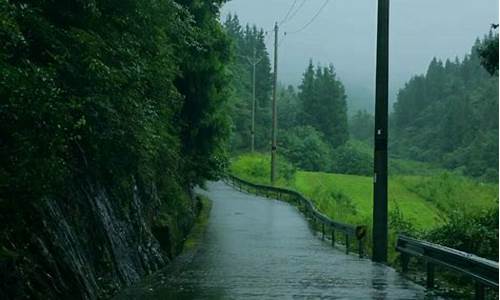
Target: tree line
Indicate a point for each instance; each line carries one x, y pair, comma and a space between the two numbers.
449, 116
312, 120
248, 47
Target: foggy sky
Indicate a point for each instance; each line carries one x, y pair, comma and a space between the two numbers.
345, 34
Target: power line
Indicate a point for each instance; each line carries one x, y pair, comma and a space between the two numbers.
288, 13
312, 20
297, 10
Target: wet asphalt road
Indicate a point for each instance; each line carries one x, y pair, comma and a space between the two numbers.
256, 248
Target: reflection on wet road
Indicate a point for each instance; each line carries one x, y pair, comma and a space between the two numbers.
256, 248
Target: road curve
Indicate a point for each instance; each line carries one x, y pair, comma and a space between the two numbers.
256, 248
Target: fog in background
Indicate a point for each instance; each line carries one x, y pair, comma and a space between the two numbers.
344, 34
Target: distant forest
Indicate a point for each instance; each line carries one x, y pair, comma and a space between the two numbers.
447, 117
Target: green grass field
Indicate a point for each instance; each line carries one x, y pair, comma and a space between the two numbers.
349, 198
416, 202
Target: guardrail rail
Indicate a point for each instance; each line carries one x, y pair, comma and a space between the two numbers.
350, 232
483, 271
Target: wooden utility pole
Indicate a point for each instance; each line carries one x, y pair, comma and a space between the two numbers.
273, 147
254, 63
381, 135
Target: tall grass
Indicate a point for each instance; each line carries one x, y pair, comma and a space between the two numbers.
417, 203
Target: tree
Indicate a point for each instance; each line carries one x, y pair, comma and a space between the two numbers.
244, 42
305, 148
287, 107
323, 102
306, 96
361, 126
489, 54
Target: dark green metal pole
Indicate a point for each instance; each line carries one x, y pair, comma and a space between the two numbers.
381, 126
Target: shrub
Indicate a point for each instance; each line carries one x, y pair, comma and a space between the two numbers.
348, 159
306, 148
475, 233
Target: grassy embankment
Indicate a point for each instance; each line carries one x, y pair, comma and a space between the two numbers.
417, 203
195, 235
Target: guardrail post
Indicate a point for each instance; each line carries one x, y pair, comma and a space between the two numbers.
405, 260
346, 244
430, 275
479, 295
333, 237
360, 248
323, 231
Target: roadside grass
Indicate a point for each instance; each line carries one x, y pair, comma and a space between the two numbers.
255, 167
325, 187
418, 202
198, 229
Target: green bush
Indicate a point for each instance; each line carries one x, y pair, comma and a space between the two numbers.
305, 147
349, 159
475, 233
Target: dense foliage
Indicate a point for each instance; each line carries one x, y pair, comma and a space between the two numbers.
322, 102
489, 54
350, 159
305, 147
109, 88
449, 116
249, 49
470, 232
313, 121
123, 94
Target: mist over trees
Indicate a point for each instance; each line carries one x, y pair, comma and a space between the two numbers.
449, 116
312, 121
361, 126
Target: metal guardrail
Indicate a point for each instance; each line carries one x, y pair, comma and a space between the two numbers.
351, 232
483, 271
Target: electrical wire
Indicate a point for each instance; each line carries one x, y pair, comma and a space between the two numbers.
312, 20
288, 13
297, 10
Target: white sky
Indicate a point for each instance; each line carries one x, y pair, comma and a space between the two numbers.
345, 34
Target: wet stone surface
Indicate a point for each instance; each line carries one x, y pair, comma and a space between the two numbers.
256, 248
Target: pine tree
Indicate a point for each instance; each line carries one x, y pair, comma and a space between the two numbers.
323, 102
306, 96
245, 41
